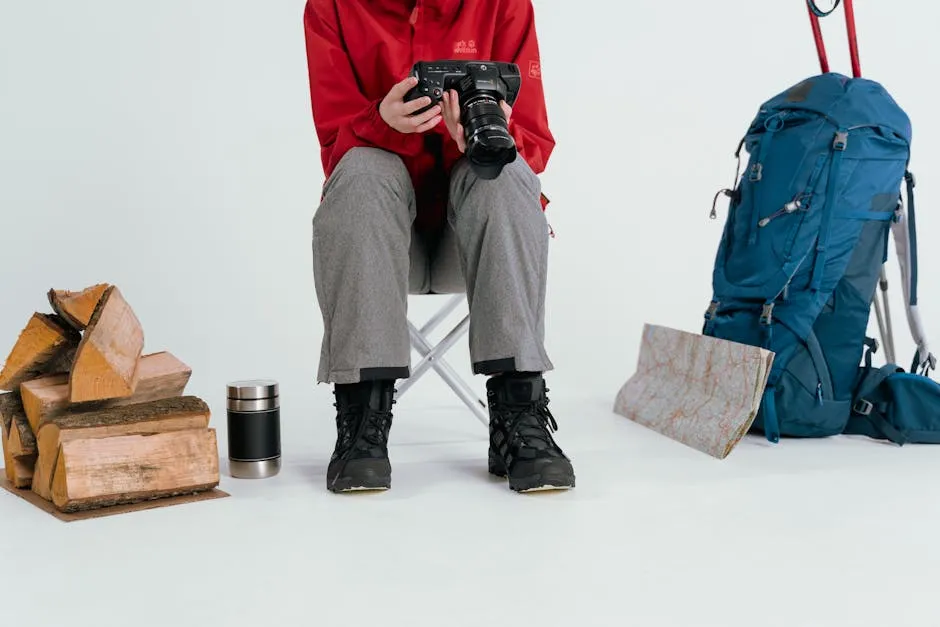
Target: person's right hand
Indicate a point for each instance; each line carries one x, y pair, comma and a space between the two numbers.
397, 113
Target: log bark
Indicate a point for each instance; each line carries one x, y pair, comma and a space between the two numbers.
106, 364
159, 416
9, 403
101, 472
161, 376
77, 308
47, 344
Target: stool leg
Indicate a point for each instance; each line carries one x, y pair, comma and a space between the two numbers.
432, 358
445, 311
433, 355
458, 385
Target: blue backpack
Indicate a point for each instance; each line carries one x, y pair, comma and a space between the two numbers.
803, 251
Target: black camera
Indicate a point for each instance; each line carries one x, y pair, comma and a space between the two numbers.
480, 85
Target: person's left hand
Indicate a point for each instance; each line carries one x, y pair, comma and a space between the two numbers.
450, 110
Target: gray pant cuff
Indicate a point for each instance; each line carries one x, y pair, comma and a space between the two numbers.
366, 374
510, 364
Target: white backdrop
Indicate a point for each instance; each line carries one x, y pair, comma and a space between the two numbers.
168, 148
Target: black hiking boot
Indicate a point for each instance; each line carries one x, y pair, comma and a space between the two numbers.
363, 420
521, 444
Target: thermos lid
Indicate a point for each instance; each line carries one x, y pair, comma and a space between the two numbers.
253, 389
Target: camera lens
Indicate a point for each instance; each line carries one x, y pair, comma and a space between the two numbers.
489, 144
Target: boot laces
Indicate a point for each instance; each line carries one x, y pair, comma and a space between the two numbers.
360, 427
532, 422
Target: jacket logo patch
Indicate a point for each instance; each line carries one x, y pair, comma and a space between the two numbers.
465, 47
535, 70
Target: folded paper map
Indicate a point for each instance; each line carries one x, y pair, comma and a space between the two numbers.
701, 391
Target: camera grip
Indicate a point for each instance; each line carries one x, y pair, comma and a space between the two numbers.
426, 86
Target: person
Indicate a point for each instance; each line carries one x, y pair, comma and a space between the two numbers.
395, 178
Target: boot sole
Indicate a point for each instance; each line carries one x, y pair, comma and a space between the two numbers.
362, 476
550, 479
354, 486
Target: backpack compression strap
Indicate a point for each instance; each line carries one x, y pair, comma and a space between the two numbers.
904, 230
869, 404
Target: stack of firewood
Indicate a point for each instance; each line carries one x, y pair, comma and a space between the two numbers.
89, 421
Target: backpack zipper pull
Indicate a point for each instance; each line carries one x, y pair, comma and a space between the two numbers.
819, 394
788, 208
730, 193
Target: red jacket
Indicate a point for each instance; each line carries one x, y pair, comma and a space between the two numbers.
358, 49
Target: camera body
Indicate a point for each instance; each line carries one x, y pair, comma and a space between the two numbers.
480, 86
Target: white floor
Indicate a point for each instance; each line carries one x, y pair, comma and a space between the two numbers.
822, 533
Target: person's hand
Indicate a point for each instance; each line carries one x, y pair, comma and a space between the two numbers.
451, 114
398, 114
506, 109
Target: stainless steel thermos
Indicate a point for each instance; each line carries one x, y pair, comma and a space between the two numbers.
254, 429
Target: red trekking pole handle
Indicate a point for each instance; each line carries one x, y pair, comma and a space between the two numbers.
814, 14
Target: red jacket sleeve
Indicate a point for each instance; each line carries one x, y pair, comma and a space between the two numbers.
517, 43
343, 116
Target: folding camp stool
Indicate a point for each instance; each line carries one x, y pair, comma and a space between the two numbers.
435, 269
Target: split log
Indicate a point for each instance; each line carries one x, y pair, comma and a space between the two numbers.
161, 375
101, 472
22, 439
20, 451
77, 308
6, 423
47, 344
8, 462
159, 416
106, 364
23, 472
23, 469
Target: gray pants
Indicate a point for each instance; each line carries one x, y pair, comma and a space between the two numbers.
364, 263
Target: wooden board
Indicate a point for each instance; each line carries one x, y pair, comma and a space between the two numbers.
161, 375
30, 497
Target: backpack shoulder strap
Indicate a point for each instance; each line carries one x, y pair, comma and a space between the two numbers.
904, 230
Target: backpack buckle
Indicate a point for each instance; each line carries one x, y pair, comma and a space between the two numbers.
841, 140
767, 314
863, 407
757, 172
712, 310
